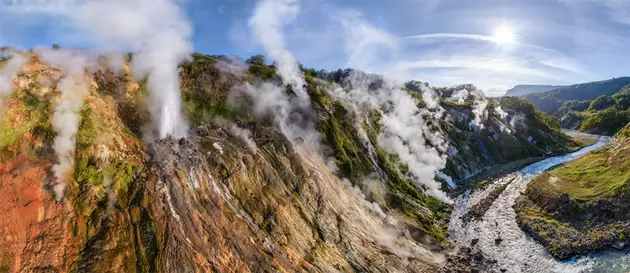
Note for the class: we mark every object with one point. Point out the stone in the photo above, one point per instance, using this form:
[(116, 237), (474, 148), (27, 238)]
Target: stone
[(619, 245)]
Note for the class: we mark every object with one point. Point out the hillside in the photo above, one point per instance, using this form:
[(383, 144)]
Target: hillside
[(525, 89), (344, 180), (582, 206), (552, 101), (596, 107)]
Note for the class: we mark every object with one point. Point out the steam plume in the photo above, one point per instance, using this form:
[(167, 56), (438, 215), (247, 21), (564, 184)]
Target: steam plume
[(267, 24), (292, 114), (460, 95), (159, 34), (13, 65), (66, 118), (235, 130), (480, 105)]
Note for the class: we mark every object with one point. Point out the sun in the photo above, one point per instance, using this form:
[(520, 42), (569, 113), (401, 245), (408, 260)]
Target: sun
[(503, 34)]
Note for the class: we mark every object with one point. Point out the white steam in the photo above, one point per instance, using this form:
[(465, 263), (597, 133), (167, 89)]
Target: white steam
[(448, 179), (374, 207), (108, 182), (460, 95), (404, 133), (158, 32), (266, 24), (503, 116), (115, 61), (480, 105), (73, 90), (111, 194), (405, 129), (234, 129), (293, 114), (12, 66), (499, 111)]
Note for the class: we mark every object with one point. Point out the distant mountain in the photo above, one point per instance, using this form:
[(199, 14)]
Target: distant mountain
[(600, 107), (551, 101), (524, 89)]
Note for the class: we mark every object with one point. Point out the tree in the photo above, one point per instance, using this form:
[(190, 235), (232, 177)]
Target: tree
[(256, 60)]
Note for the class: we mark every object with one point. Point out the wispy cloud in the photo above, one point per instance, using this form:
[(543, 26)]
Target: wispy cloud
[(40, 6), (450, 58)]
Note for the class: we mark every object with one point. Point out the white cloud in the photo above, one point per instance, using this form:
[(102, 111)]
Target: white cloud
[(369, 45), (452, 58)]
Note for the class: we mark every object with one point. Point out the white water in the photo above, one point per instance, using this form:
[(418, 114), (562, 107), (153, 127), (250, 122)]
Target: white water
[(518, 252)]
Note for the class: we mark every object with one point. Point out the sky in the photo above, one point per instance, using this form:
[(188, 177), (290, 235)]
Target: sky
[(494, 44)]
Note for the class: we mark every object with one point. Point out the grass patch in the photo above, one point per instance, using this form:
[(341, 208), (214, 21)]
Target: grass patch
[(595, 175), (22, 112)]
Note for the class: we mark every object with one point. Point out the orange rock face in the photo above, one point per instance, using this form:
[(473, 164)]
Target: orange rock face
[(34, 229)]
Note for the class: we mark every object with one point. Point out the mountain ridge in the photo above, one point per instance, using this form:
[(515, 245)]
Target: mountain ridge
[(526, 89), (551, 101)]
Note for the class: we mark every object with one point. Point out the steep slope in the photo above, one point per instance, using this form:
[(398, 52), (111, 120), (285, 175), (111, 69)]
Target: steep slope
[(525, 89), (513, 130), (237, 195), (581, 206)]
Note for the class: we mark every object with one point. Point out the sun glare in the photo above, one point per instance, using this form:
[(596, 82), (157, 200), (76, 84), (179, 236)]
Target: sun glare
[(503, 34)]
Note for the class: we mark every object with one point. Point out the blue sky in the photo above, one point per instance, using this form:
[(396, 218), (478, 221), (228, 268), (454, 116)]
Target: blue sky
[(494, 44)]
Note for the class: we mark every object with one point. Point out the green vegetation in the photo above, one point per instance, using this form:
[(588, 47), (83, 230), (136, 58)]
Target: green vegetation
[(582, 205), (258, 68), (337, 125), (606, 122), (90, 168), (597, 107), (624, 133), (130, 104), (596, 175), (206, 90), (553, 100), (9, 134), (29, 111)]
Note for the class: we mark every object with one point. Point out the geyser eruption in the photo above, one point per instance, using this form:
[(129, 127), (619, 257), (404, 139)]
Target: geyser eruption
[(158, 33), (73, 90)]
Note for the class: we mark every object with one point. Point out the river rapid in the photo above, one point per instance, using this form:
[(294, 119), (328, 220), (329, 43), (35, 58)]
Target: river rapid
[(517, 252)]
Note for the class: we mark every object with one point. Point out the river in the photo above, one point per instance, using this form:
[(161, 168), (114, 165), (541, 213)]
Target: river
[(518, 252)]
